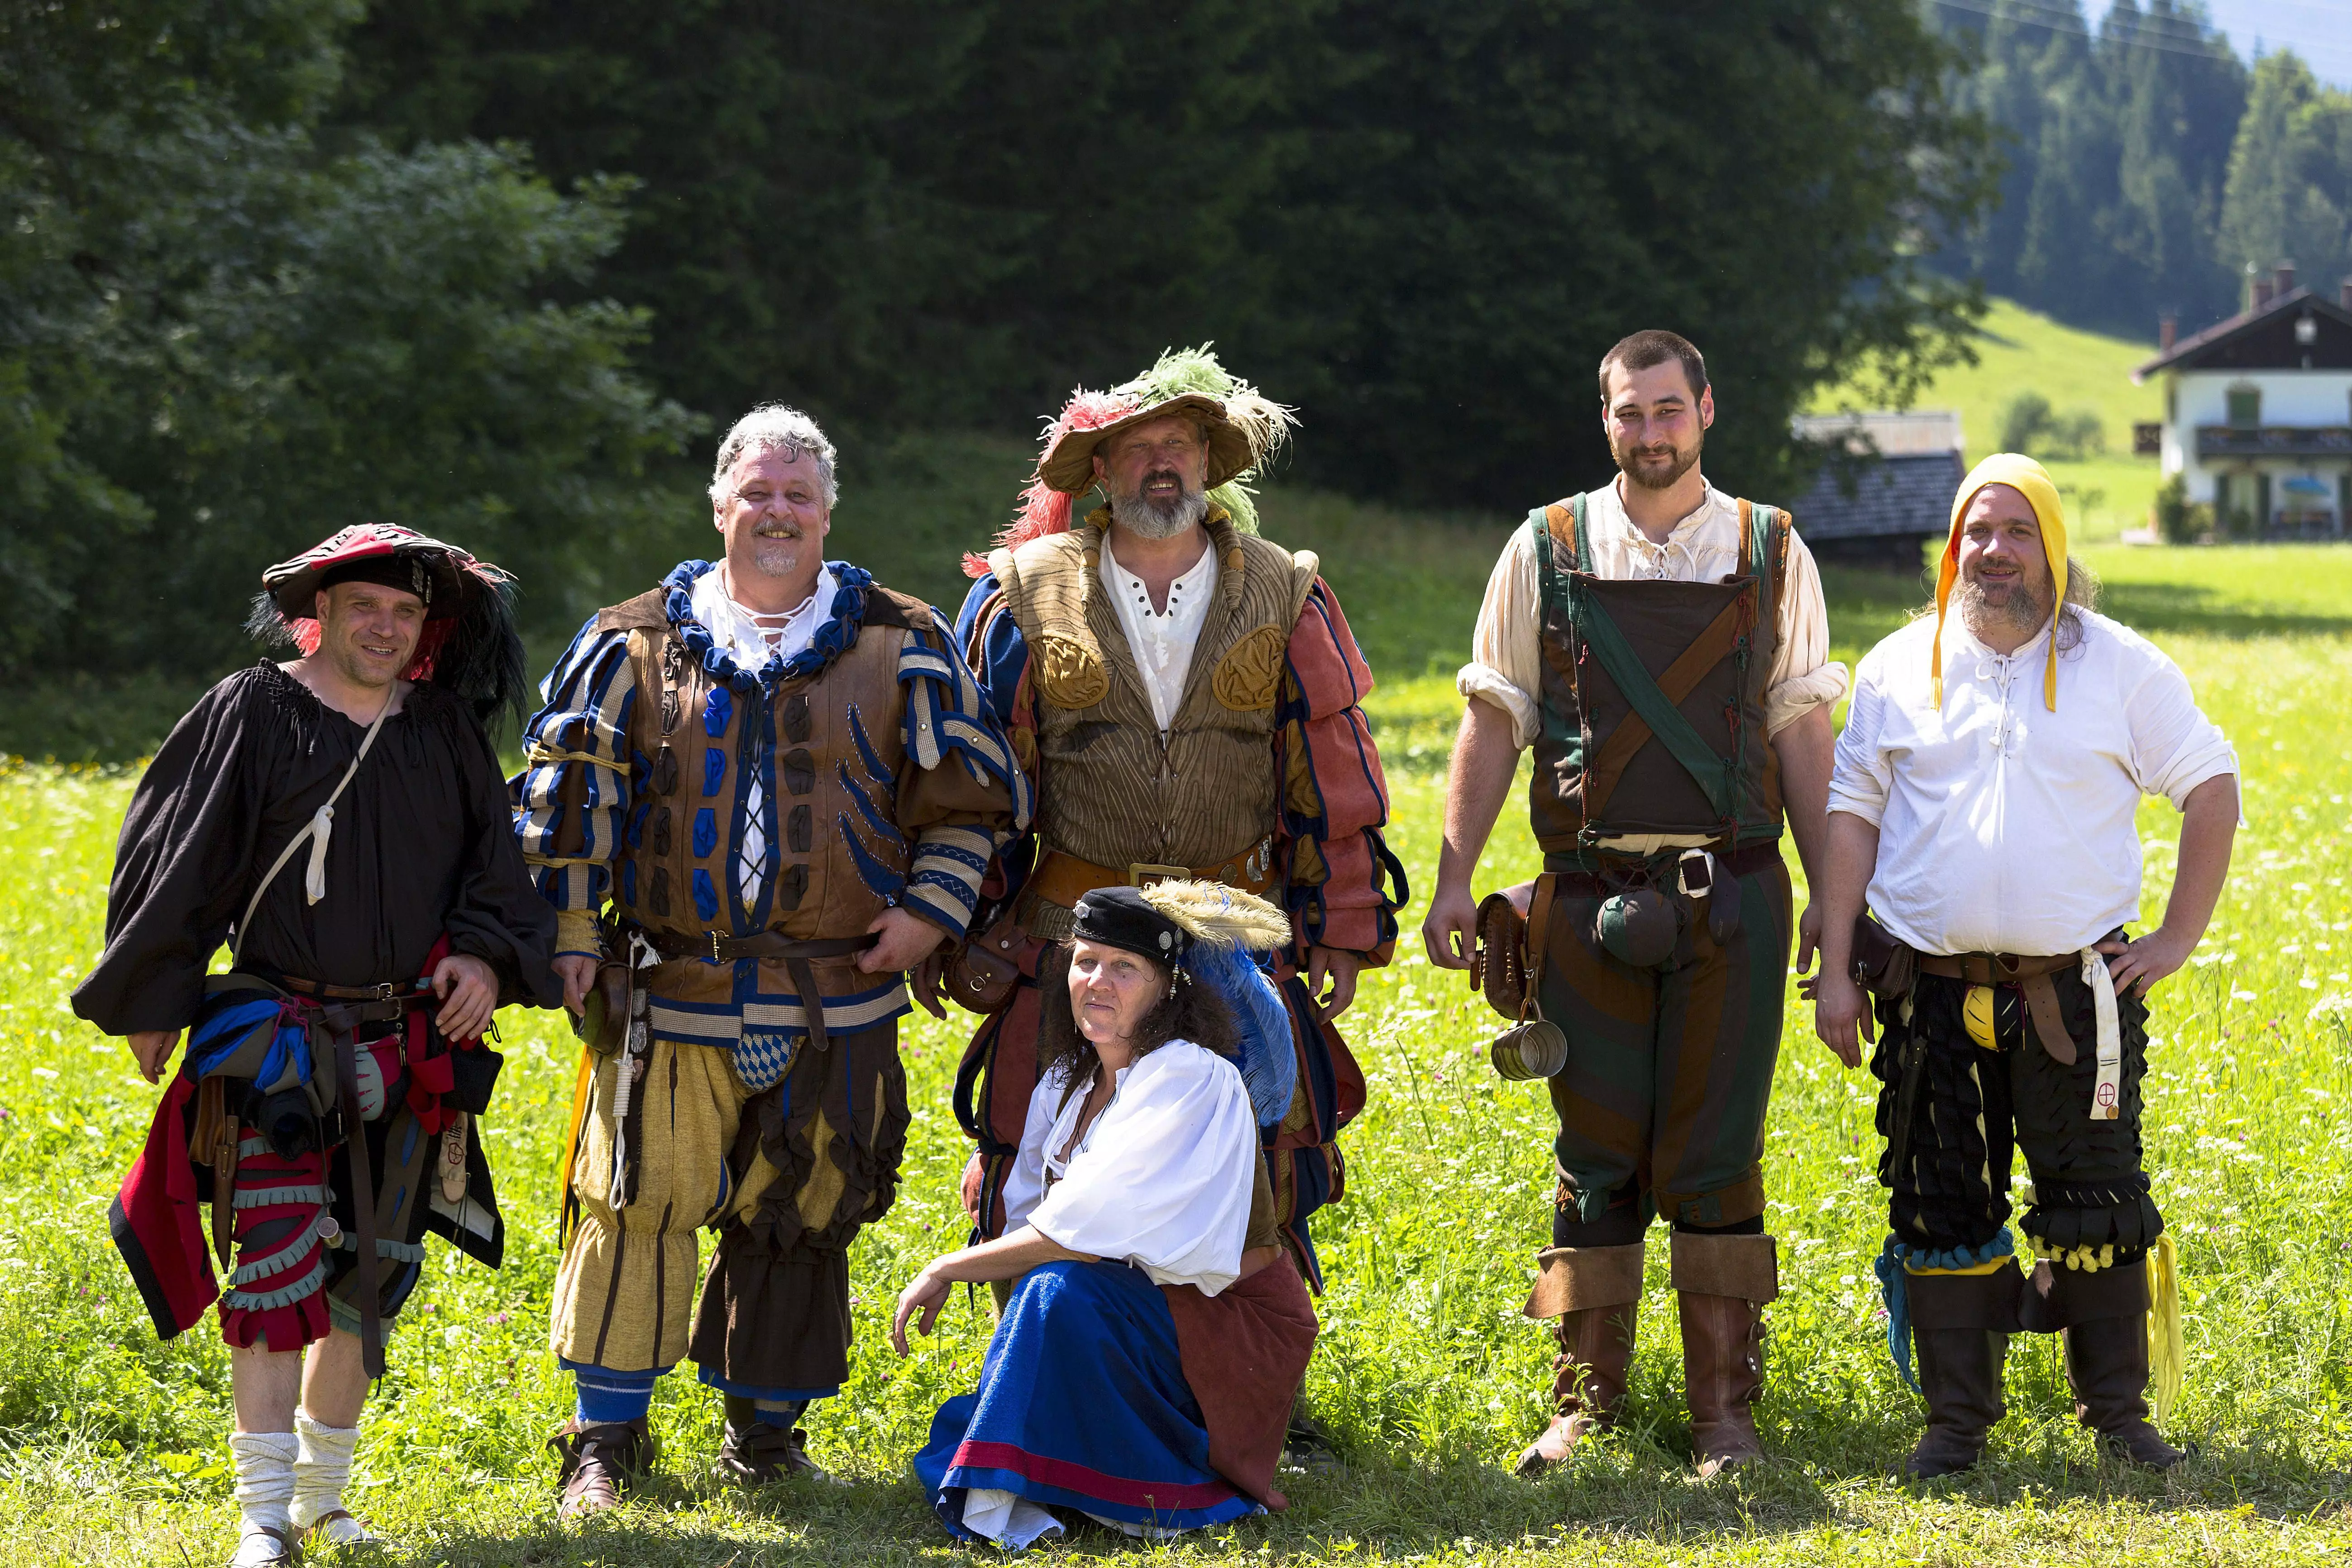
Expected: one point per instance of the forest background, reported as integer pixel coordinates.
(502, 268)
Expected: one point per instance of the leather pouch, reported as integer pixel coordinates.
(1498, 965)
(1882, 966)
(603, 1020)
(987, 967)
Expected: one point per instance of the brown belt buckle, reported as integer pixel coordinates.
(1143, 874)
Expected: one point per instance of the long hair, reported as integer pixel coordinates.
(1194, 1013)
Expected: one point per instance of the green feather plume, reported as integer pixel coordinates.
(1265, 423)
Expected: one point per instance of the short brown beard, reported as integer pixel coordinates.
(1684, 463)
(2023, 611)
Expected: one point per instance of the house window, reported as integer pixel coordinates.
(2245, 409)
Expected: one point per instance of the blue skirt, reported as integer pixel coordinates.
(1082, 1403)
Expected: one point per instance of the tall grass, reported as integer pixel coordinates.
(115, 1448)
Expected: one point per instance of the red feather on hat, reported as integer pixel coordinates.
(1045, 510)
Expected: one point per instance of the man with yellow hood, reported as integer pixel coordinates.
(1984, 803)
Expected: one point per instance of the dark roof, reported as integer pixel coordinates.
(1891, 496)
(2264, 340)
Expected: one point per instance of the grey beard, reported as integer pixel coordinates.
(1146, 521)
(776, 557)
(2020, 613)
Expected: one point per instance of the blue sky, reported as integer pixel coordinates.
(2318, 30)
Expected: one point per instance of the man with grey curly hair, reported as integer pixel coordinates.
(774, 427)
(757, 795)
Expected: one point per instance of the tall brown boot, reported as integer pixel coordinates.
(1960, 1325)
(1594, 1291)
(1721, 1285)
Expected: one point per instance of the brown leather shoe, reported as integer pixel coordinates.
(756, 1452)
(1594, 1293)
(1721, 1284)
(599, 1464)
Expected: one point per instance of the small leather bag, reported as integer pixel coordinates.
(603, 1020)
(1882, 966)
(1498, 965)
(987, 967)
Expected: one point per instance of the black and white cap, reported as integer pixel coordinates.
(1122, 917)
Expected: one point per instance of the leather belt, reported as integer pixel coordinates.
(404, 991)
(1616, 870)
(2030, 976)
(1064, 880)
(772, 947)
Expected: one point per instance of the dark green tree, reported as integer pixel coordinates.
(220, 342)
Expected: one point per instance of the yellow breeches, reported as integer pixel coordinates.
(625, 1291)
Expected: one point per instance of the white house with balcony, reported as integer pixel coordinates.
(2257, 413)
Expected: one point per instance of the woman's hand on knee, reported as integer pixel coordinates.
(926, 1294)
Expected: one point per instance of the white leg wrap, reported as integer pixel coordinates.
(322, 1469)
(265, 1486)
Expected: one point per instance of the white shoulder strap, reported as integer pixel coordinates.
(321, 823)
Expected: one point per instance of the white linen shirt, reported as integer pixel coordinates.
(1163, 640)
(1161, 1180)
(1505, 664)
(2004, 827)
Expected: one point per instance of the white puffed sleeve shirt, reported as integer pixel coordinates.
(2004, 827)
(1161, 1180)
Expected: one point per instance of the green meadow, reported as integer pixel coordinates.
(113, 1445)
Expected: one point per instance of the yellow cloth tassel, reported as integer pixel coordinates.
(2088, 1260)
(2166, 1354)
(1991, 1266)
(1975, 1012)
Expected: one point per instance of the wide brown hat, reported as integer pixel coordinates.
(1068, 463)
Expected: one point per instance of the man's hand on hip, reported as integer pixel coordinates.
(152, 1048)
(906, 939)
(2139, 965)
(468, 989)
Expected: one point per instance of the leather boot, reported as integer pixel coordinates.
(2102, 1320)
(1960, 1325)
(756, 1452)
(1594, 1292)
(1721, 1285)
(599, 1464)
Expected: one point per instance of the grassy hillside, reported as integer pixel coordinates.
(2020, 350)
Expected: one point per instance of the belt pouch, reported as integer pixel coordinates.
(984, 970)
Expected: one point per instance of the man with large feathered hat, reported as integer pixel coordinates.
(1186, 695)
(340, 822)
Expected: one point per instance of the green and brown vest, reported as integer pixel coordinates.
(1652, 693)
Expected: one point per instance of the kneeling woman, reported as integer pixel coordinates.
(1143, 1370)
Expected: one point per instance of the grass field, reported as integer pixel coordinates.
(2020, 350)
(115, 1448)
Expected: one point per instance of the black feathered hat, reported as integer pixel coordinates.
(1123, 918)
(470, 645)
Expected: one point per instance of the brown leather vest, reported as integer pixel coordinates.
(1109, 791)
(1600, 770)
(828, 748)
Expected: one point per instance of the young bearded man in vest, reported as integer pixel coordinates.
(338, 820)
(1664, 647)
(786, 785)
(1186, 695)
(1985, 801)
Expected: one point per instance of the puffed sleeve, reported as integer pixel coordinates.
(572, 796)
(1165, 1178)
(183, 866)
(962, 791)
(1024, 1179)
(1803, 677)
(1506, 666)
(2174, 747)
(1343, 885)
